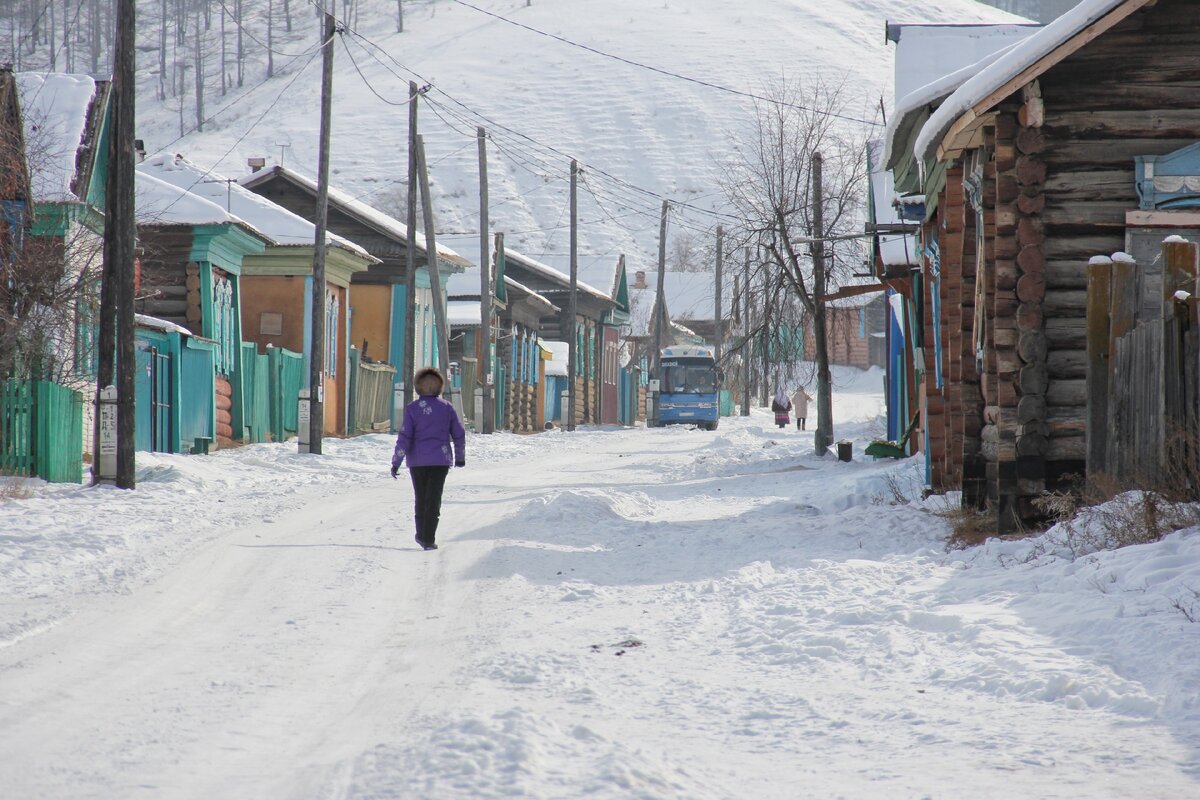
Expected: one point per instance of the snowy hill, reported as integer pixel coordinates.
(542, 100)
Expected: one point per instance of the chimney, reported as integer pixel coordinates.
(256, 163)
(639, 279)
(139, 149)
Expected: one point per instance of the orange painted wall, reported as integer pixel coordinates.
(372, 319)
(285, 295)
(281, 295)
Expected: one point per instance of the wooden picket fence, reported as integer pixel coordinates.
(41, 431)
(1144, 371)
(371, 388)
(285, 371)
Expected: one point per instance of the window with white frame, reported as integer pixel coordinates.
(332, 317)
(224, 329)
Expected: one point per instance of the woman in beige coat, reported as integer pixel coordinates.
(800, 407)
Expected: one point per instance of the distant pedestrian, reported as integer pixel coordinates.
(430, 427)
(781, 405)
(800, 406)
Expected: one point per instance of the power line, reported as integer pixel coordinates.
(666, 72)
(239, 99)
(258, 41)
(550, 148)
(240, 139)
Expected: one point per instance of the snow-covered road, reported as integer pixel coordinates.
(655, 614)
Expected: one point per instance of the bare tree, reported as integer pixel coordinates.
(770, 184)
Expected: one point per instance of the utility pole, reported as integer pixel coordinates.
(410, 279)
(660, 303)
(572, 337)
(487, 420)
(747, 348)
(442, 338)
(316, 356)
(823, 437)
(114, 443)
(718, 321)
(399, 16)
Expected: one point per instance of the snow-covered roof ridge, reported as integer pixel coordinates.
(1011, 64)
(931, 93)
(274, 221)
(550, 272)
(54, 109)
(159, 202)
(366, 213)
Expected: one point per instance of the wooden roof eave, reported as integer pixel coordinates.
(953, 143)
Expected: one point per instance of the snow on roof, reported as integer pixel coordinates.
(912, 104)
(690, 295)
(927, 53)
(159, 202)
(894, 249)
(54, 108)
(276, 222)
(557, 365)
(1009, 65)
(550, 272)
(462, 284)
(464, 314)
(154, 323)
(366, 213)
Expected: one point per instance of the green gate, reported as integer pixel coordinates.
(286, 378)
(41, 431)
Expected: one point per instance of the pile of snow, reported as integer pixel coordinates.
(54, 110)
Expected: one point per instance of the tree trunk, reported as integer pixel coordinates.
(241, 54)
(199, 75)
(270, 38)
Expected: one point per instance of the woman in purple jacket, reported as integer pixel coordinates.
(430, 426)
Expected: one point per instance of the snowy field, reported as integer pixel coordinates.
(613, 613)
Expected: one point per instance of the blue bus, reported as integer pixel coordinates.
(689, 385)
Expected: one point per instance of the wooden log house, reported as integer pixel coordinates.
(378, 293)
(1028, 169)
(596, 313)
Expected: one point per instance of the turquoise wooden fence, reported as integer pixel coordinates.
(256, 394)
(286, 376)
(41, 431)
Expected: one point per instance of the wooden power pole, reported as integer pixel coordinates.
(442, 334)
(572, 307)
(410, 278)
(747, 347)
(823, 437)
(316, 358)
(718, 320)
(487, 420)
(115, 459)
(660, 303)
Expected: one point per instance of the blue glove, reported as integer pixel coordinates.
(460, 463)
(395, 469)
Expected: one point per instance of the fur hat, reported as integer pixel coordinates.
(429, 381)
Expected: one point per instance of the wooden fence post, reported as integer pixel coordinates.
(1122, 314)
(1181, 268)
(1099, 300)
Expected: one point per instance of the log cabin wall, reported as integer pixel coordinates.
(974, 489)
(169, 290)
(1131, 92)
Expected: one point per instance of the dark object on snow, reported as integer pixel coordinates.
(845, 450)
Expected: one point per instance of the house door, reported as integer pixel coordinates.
(153, 400)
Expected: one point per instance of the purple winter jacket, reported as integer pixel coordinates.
(430, 425)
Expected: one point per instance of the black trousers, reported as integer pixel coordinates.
(428, 483)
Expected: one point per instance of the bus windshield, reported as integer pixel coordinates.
(688, 377)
